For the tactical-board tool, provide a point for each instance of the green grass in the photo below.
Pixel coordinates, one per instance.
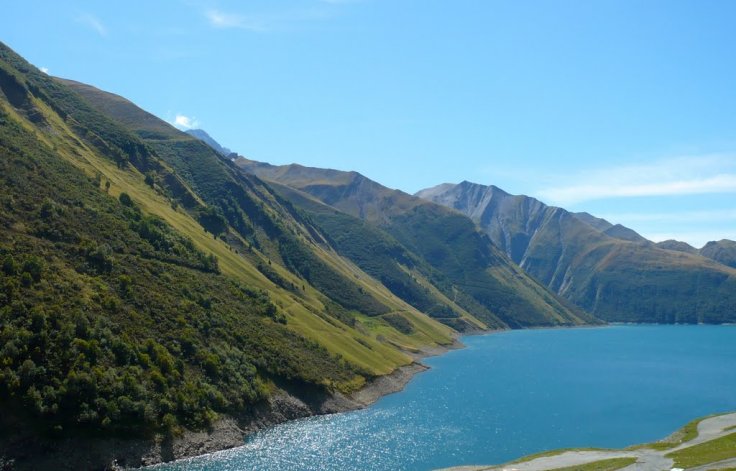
(709, 452)
(610, 464)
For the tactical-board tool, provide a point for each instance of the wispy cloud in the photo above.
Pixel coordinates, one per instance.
(220, 19)
(704, 216)
(667, 177)
(92, 22)
(185, 122)
(44, 70)
(270, 21)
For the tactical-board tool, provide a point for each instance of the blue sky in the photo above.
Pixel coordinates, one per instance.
(625, 109)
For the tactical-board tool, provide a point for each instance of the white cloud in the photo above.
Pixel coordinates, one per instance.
(220, 19)
(44, 70)
(667, 177)
(93, 22)
(272, 20)
(185, 122)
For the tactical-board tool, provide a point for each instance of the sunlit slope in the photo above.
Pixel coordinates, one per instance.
(606, 269)
(471, 271)
(264, 225)
(112, 320)
(133, 299)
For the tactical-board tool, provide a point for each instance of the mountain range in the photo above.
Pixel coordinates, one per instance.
(608, 270)
(156, 291)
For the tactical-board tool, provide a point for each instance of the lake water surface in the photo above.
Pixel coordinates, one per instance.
(511, 394)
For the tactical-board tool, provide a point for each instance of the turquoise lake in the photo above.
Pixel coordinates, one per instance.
(510, 394)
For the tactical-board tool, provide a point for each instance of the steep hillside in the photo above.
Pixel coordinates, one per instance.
(465, 267)
(148, 287)
(249, 207)
(606, 269)
(383, 257)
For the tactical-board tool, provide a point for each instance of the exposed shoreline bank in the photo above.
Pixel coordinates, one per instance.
(231, 432)
(227, 432)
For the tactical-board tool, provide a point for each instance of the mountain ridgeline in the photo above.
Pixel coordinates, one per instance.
(608, 270)
(149, 286)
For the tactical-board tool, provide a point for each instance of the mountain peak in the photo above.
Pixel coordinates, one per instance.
(722, 251)
(619, 231)
(677, 246)
(437, 189)
(203, 136)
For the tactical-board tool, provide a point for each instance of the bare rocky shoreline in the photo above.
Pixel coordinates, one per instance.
(228, 432)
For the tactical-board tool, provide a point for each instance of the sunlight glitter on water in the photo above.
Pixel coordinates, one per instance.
(513, 394)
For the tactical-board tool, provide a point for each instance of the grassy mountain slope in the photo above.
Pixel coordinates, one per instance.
(147, 286)
(608, 270)
(475, 275)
